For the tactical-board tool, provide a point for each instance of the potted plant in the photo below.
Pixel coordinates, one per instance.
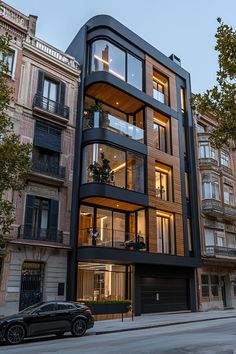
(101, 173)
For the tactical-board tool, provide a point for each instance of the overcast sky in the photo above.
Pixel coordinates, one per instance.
(183, 27)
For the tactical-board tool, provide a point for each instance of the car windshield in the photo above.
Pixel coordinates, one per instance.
(31, 308)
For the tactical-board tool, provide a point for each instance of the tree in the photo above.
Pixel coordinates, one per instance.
(221, 99)
(14, 156)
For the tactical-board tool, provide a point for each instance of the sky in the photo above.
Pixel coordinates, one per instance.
(183, 27)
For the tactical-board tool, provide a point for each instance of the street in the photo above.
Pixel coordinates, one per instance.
(210, 337)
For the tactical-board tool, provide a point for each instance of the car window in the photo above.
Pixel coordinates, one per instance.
(48, 307)
(65, 307)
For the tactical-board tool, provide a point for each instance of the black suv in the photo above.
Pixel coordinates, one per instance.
(53, 317)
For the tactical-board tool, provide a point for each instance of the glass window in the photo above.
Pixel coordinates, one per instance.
(205, 151)
(49, 308)
(160, 137)
(50, 90)
(104, 227)
(165, 233)
(210, 186)
(224, 158)
(160, 87)
(9, 61)
(228, 194)
(161, 183)
(201, 128)
(135, 172)
(209, 237)
(86, 223)
(104, 164)
(105, 56)
(214, 285)
(102, 281)
(118, 229)
(134, 71)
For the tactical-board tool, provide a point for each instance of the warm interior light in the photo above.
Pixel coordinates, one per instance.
(160, 213)
(117, 103)
(158, 80)
(119, 167)
(161, 169)
(159, 121)
(100, 59)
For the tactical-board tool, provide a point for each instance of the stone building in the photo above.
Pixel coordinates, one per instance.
(217, 192)
(33, 261)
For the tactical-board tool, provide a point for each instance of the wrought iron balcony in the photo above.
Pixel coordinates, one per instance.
(220, 251)
(50, 106)
(212, 207)
(27, 232)
(48, 169)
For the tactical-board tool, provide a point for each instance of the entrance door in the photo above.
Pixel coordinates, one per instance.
(223, 291)
(31, 292)
(163, 294)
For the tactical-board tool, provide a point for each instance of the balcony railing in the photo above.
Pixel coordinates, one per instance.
(51, 106)
(212, 206)
(208, 161)
(220, 251)
(113, 123)
(159, 96)
(48, 169)
(26, 232)
(230, 211)
(226, 169)
(104, 237)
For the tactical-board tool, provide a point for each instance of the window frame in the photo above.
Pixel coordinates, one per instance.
(126, 52)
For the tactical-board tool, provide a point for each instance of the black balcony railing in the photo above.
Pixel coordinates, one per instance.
(104, 237)
(220, 251)
(27, 232)
(51, 106)
(48, 169)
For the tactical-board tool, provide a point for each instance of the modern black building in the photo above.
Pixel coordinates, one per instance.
(134, 225)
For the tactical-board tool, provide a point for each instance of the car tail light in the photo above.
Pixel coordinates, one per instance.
(88, 311)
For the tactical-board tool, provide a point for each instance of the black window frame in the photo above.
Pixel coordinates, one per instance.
(126, 51)
(159, 135)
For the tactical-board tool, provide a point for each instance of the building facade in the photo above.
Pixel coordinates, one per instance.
(134, 224)
(217, 182)
(45, 81)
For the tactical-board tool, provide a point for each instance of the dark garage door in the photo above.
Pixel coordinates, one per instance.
(163, 294)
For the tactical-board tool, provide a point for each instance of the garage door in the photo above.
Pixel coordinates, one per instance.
(163, 294)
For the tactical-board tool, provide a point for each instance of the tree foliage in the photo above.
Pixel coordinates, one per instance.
(14, 156)
(221, 99)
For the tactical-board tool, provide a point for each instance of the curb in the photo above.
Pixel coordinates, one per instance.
(163, 325)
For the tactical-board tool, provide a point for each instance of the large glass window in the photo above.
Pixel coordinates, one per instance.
(159, 136)
(105, 164)
(105, 56)
(210, 187)
(110, 228)
(160, 87)
(228, 194)
(103, 281)
(165, 233)
(97, 115)
(162, 181)
(205, 150)
(224, 158)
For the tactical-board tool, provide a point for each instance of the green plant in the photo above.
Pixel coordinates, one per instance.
(101, 172)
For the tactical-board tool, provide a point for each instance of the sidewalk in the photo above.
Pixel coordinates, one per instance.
(158, 320)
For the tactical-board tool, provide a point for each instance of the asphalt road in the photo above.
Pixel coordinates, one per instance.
(213, 337)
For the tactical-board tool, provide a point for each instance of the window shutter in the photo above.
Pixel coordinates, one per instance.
(53, 214)
(40, 82)
(29, 211)
(62, 93)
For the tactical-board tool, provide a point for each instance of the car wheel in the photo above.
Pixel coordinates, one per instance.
(78, 328)
(15, 334)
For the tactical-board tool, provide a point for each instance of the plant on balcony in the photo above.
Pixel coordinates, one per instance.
(90, 113)
(101, 172)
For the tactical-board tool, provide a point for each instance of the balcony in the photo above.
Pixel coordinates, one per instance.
(51, 108)
(159, 96)
(227, 170)
(207, 162)
(48, 169)
(104, 237)
(212, 207)
(102, 119)
(220, 251)
(26, 232)
(229, 212)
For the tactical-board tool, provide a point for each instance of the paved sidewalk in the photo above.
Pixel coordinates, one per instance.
(158, 320)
